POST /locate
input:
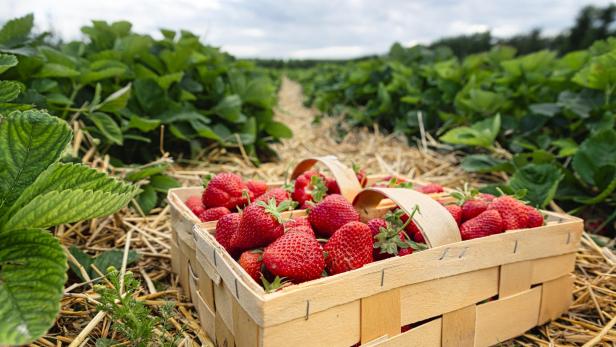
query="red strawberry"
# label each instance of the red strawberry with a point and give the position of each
(260, 224)
(350, 247)
(257, 188)
(376, 224)
(535, 218)
(405, 251)
(251, 261)
(411, 228)
(431, 188)
(486, 196)
(212, 214)
(332, 186)
(225, 189)
(361, 175)
(456, 211)
(195, 205)
(298, 224)
(512, 211)
(472, 208)
(487, 223)
(309, 186)
(277, 193)
(226, 227)
(296, 255)
(332, 213)
(418, 237)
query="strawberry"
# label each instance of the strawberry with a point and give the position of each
(309, 186)
(392, 239)
(411, 227)
(332, 186)
(350, 247)
(472, 208)
(251, 261)
(405, 251)
(456, 211)
(195, 205)
(487, 223)
(332, 213)
(212, 214)
(277, 193)
(360, 174)
(418, 237)
(226, 227)
(394, 182)
(300, 224)
(431, 188)
(535, 218)
(376, 224)
(486, 196)
(225, 189)
(296, 255)
(260, 224)
(512, 211)
(257, 188)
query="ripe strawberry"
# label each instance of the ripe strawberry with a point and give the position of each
(472, 208)
(411, 227)
(309, 186)
(260, 224)
(298, 224)
(257, 188)
(418, 237)
(376, 224)
(456, 211)
(195, 205)
(360, 174)
(512, 212)
(332, 213)
(405, 251)
(226, 227)
(251, 261)
(212, 214)
(296, 255)
(487, 223)
(431, 188)
(277, 193)
(225, 189)
(394, 182)
(332, 186)
(535, 218)
(350, 247)
(486, 196)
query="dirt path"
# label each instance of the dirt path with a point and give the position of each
(378, 153)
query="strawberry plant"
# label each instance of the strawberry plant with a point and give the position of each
(545, 121)
(135, 94)
(37, 191)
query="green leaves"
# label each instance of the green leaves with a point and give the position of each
(102, 261)
(481, 134)
(600, 73)
(540, 181)
(595, 157)
(32, 276)
(16, 31)
(7, 61)
(30, 141)
(36, 191)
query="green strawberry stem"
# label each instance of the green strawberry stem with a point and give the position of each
(319, 189)
(276, 210)
(206, 179)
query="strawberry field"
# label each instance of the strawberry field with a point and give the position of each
(95, 133)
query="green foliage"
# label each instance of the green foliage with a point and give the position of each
(553, 115)
(128, 88)
(103, 261)
(36, 192)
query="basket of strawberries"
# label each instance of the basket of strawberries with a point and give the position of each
(381, 266)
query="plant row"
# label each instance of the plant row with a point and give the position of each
(545, 121)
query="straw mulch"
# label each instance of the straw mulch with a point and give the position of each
(590, 320)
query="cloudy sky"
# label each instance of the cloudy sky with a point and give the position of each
(306, 29)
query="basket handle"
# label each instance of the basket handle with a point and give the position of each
(434, 221)
(344, 176)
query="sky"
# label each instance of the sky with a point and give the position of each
(306, 29)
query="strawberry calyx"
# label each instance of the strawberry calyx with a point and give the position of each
(464, 194)
(205, 180)
(395, 182)
(274, 285)
(389, 239)
(319, 189)
(276, 209)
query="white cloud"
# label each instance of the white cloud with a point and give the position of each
(307, 28)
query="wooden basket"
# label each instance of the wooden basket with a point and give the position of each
(183, 250)
(456, 293)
